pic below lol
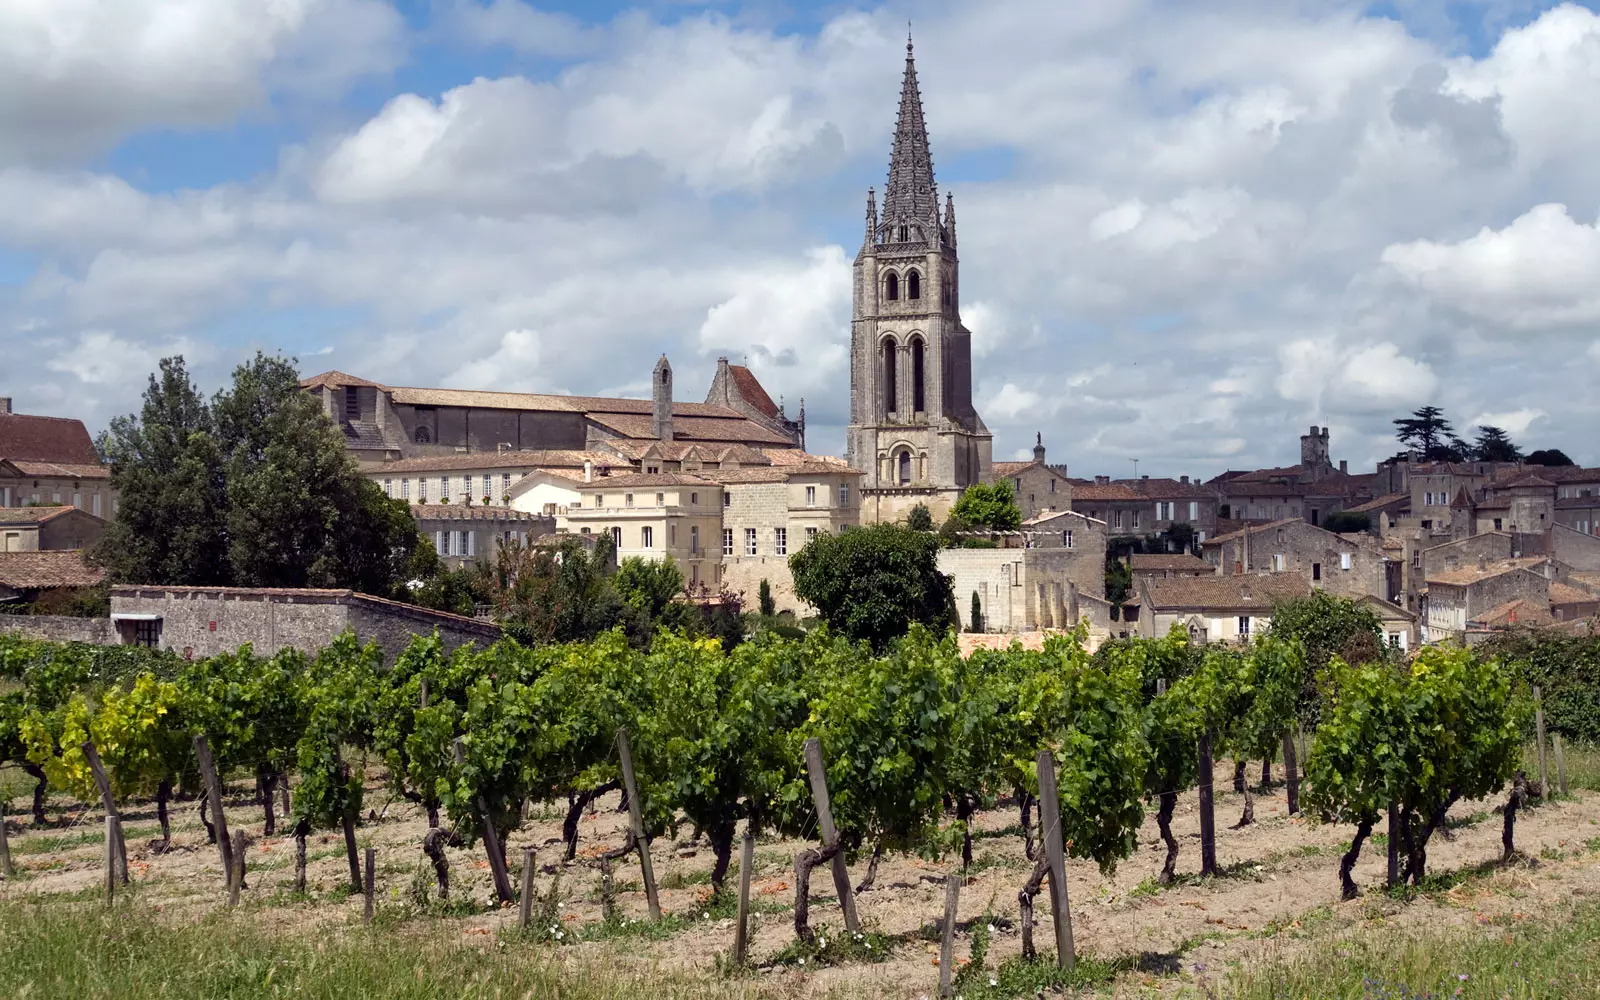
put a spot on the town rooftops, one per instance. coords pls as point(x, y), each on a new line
point(1167, 489)
point(48, 569)
point(1468, 575)
point(1257, 592)
point(1561, 594)
point(552, 459)
point(1050, 515)
point(750, 388)
point(1254, 529)
point(776, 473)
point(476, 512)
point(1380, 503)
point(33, 515)
point(637, 480)
point(56, 440)
point(1102, 492)
point(1521, 611)
point(1151, 562)
point(301, 595)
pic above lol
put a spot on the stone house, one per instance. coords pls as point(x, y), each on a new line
point(51, 460)
point(1171, 502)
point(656, 516)
point(1401, 628)
point(1038, 487)
point(1577, 502)
point(1345, 565)
point(463, 535)
point(549, 493)
point(1050, 574)
point(35, 529)
point(205, 621)
point(1215, 608)
point(28, 576)
point(435, 479)
point(1311, 490)
point(1457, 598)
point(1125, 512)
point(1165, 565)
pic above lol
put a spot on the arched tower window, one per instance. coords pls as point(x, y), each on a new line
point(905, 468)
point(890, 404)
point(891, 287)
point(918, 399)
point(422, 437)
point(913, 285)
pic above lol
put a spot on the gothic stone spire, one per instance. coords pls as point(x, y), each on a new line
point(910, 198)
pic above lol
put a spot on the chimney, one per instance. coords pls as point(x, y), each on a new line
point(661, 400)
point(1038, 448)
point(1184, 480)
point(5, 404)
point(723, 382)
point(588, 470)
point(1344, 467)
point(1102, 480)
point(1483, 562)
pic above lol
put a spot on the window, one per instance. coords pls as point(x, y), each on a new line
point(891, 287)
point(627, 501)
point(1052, 486)
point(1136, 515)
point(616, 537)
point(905, 234)
point(780, 541)
point(1277, 562)
point(1497, 523)
point(672, 533)
point(1416, 559)
point(1244, 626)
point(905, 467)
point(1066, 539)
point(913, 285)
point(1344, 560)
point(844, 494)
point(421, 436)
point(599, 500)
point(652, 469)
point(749, 541)
point(890, 400)
point(422, 491)
point(447, 541)
point(1116, 519)
point(147, 633)
point(727, 541)
point(694, 539)
point(388, 487)
point(444, 489)
point(810, 534)
point(505, 485)
point(727, 499)
point(94, 503)
point(352, 403)
point(1194, 509)
point(661, 499)
point(472, 540)
point(1316, 571)
point(1016, 484)
point(918, 397)
point(694, 499)
point(647, 537)
point(1164, 511)
point(811, 496)
point(77, 500)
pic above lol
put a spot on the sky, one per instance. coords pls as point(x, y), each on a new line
point(1188, 230)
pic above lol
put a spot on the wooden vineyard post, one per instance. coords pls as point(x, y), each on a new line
point(369, 884)
point(208, 773)
point(107, 800)
point(525, 913)
point(1394, 845)
point(1291, 771)
point(1055, 852)
point(5, 845)
point(236, 869)
point(830, 834)
point(111, 861)
point(1561, 777)
point(636, 823)
point(741, 932)
point(952, 896)
point(491, 837)
point(1538, 729)
point(1208, 815)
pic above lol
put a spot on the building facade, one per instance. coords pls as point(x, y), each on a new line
point(1048, 575)
point(1039, 487)
point(913, 430)
point(51, 460)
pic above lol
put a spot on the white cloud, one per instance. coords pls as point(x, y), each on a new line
point(1539, 271)
point(1336, 378)
point(513, 368)
point(518, 26)
point(1513, 422)
point(100, 357)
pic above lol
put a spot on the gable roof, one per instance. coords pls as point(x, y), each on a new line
point(1223, 593)
point(47, 569)
point(336, 380)
point(641, 480)
point(750, 388)
point(1166, 488)
point(1255, 529)
point(1156, 561)
point(46, 439)
point(1560, 593)
point(38, 515)
point(1379, 503)
point(1103, 492)
point(1467, 575)
point(552, 459)
point(1050, 515)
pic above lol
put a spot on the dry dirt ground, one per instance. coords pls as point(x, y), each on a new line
point(1279, 891)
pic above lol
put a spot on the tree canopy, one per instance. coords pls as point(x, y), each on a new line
point(874, 583)
point(989, 505)
point(1495, 445)
point(1549, 457)
point(1430, 435)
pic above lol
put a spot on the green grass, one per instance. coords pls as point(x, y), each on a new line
point(1582, 764)
point(78, 952)
point(1551, 959)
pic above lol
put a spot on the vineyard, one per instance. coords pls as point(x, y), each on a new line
point(573, 796)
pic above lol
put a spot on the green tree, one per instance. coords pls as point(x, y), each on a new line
point(1326, 626)
point(920, 518)
point(167, 469)
point(557, 593)
point(977, 614)
point(1119, 579)
point(1347, 522)
point(1430, 435)
point(874, 583)
point(989, 505)
point(1495, 445)
point(764, 599)
point(1549, 457)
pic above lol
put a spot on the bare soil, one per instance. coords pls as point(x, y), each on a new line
point(1279, 889)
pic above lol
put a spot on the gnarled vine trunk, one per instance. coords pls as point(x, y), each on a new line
point(872, 869)
point(40, 787)
point(964, 809)
point(720, 836)
point(575, 807)
point(1168, 803)
point(163, 796)
point(1517, 799)
point(302, 830)
point(1238, 776)
point(1030, 889)
point(205, 820)
point(1266, 774)
point(1347, 885)
point(266, 790)
point(433, 846)
point(1025, 803)
point(1249, 815)
point(804, 862)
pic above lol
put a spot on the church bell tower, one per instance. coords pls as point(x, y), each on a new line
point(913, 429)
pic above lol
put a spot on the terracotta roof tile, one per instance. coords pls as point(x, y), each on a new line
point(1156, 561)
point(1518, 612)
point(1224, 593)
point(1103, 493)
point(46, 439)
point(555, 459)
point(476, 512)
point(1167, 489)
point(335, 380)
point(726, 426)
point(1472, 574)
point(1378, 503)
point(43, 570)
point(794, 456)
point(58, 470)
point(750, 388)
point(32, 515)
point(641, 480)
point(1560, 593)
point(1254, 529)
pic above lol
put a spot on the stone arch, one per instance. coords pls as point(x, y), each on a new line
point(891, 287)
point(422, 436)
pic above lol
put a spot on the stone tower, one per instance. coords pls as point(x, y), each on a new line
point(661, 400)
point(913, 429)
point(1314, 449)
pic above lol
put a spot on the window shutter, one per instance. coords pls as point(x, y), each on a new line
point(472, 543)
point(438, 542)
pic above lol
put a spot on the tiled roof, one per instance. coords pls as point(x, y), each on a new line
point(1379, 503)
point(1103, 493)
point(1518, 612)
point(290, 595)
point(554, 459)
point(1577, 503)
point(725, 425)
point(1260, 474)
point(1012, 468)
point(1224, 593)
point(794, 456)
point(641, 480)
point(335, 380)
point(776, 473)
point(1560, 593)
point(1167, 489)
point(477, 512)
point(1526, 479)
point(1051, 515)
point(58, 470)
point(31, 515)
point(1388, 609)
point(46, 439)
point(483, 399)
point(1473, 574)
point(1565, 473)
point(43, 570)
point(1254, 529)
point(1156, 561)
point(750, 388)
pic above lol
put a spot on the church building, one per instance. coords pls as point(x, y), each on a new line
point(913, 429)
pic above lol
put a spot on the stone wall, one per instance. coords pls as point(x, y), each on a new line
point(764, 507)
point(1575, 550)
point(1023, 590)
point(60, 628)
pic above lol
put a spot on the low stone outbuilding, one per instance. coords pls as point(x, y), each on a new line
point(1217, 608)
point(1048, 575)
